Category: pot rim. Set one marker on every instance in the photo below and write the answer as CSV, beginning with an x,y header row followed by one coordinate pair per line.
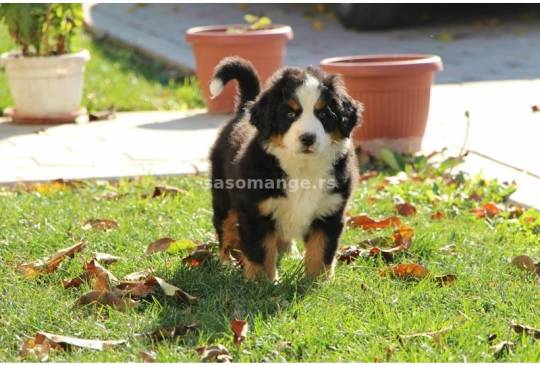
x,y
16,56
218,34
381,64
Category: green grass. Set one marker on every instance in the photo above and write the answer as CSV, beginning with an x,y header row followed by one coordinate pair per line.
x,y
121,78
339,320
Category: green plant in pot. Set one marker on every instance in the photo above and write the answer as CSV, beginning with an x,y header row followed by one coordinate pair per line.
x,y
45,76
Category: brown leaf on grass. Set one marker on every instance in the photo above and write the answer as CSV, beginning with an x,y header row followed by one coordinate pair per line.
x,y
48,265
503,348
214,353
138,275
77,281
106,298
38,347
104,225
159,245
134,289
443,280
365,222
197,257
515,211
435,335
438,215
43,342
164,190
535,108
99,272
524,262
147,356
405,209
105,258
165,333
525,330
475,196
239,328
406,271
368,175
489,210
171,290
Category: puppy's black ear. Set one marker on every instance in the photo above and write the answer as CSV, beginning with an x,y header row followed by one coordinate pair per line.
x,y
261,114
350,113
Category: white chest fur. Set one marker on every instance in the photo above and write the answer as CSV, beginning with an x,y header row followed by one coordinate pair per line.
x,y
310,180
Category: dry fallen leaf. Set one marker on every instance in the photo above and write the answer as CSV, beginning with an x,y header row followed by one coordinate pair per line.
x,y
435,335
444,279
406,271
368,175
367,223
405,209
515,211
489,210
526,330
239,328
48,265
97,271
524,262
197,257
107,298
138,275
77,281
503,348
160,245
171,290
105,258
438,215
165,333
43,342
164,190
100,224
134,289
147,356
214,353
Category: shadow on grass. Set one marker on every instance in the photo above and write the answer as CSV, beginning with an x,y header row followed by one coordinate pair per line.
x,y
223,294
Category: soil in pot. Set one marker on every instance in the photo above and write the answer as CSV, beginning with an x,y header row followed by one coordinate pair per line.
x,y
395,91
264,48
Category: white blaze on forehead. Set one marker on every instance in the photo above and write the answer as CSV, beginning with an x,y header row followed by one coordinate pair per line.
x,y
308,93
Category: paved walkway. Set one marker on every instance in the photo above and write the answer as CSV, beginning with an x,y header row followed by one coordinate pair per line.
x,y
478,51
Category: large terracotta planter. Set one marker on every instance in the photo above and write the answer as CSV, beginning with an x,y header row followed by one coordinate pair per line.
x,y
264,48
46,90
395,91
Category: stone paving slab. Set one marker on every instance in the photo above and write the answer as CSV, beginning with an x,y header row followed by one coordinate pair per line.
x,y
500,51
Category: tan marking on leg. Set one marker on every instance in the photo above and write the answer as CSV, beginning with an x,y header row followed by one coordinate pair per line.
x,y
268,269
283,245
314,255
230,236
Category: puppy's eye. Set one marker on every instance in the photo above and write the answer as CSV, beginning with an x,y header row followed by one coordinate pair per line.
x,y
291,115
322,114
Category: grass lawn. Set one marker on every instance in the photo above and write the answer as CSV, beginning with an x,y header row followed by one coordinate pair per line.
x,y
120,78
356,317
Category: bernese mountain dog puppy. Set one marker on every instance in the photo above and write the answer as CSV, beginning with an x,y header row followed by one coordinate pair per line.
x,y
283,167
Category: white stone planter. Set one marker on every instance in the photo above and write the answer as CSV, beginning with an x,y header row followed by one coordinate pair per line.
x,y
45,89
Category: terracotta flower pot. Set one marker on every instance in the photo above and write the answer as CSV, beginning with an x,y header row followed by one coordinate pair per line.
x,y
395,91
264,48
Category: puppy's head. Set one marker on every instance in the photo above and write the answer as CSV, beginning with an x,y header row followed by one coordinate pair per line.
x,y
304,111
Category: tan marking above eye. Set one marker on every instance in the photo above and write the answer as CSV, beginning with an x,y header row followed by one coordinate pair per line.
x,y
294,105
320,104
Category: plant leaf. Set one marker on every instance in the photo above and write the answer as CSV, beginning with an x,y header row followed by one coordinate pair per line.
x,y
104,225
48,265
239,328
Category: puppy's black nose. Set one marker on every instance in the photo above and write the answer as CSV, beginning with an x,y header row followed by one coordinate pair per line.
x,y
307,139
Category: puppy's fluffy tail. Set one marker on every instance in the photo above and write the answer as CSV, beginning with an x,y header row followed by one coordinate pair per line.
x,y
231,68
